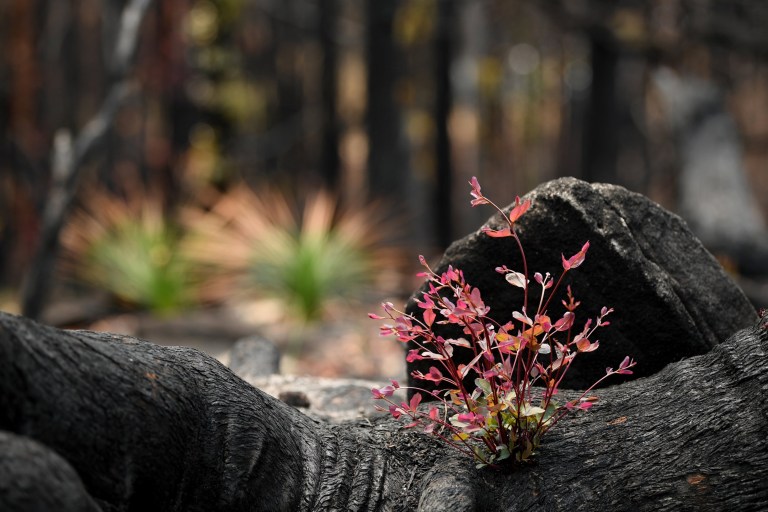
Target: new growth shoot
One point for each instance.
(516, 364)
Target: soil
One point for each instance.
(344, 344)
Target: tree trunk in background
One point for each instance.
(614, 143)
(329, 152)
(391, 177)
(472, 41)
(711, 156)
(388, 167)
(24, 85)
(443, 203)
(599, 163)
(20, 179)
(70, 154)
(387, 157)
(287, 132)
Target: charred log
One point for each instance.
(672, 298)
(146, 427)
(168, 428)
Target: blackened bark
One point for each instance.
(167, 428)
(672, 299)
(34, 478)
(684, 439)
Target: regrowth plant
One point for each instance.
(516, 364)
(307, 257)
(129, 248)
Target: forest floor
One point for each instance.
(345, 343)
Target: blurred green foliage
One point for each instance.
(129, 248)
(307, 269)
(140, 264)
(308, 255)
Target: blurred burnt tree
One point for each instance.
(722, 42)
(20, 171)
(387, 160)
(402, 114)
(72, 150)
(445, 34)
(675, 112)
(327, 29)
(401, 100)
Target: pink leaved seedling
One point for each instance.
(516, 366)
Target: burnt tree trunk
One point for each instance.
(443, 209)
(136, 426)
(672, 299)
(154, 428)
(70, 155)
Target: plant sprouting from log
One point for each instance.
(517, 366)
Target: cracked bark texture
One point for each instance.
(168, 428)
(672, 298)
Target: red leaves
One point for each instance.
(583, 404)
(497, 234)
(566, 322)
(382, 392)
(572, 303)
(410, 408)
(519, 209)
(584, 345)
(471, 418)
(516, 212)
(504, 414)
(478, 197)
(413, 355)
(434, 375)
(626, 364)
(476, 303)
(415, 401)
(429, 317)
(575, 260)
